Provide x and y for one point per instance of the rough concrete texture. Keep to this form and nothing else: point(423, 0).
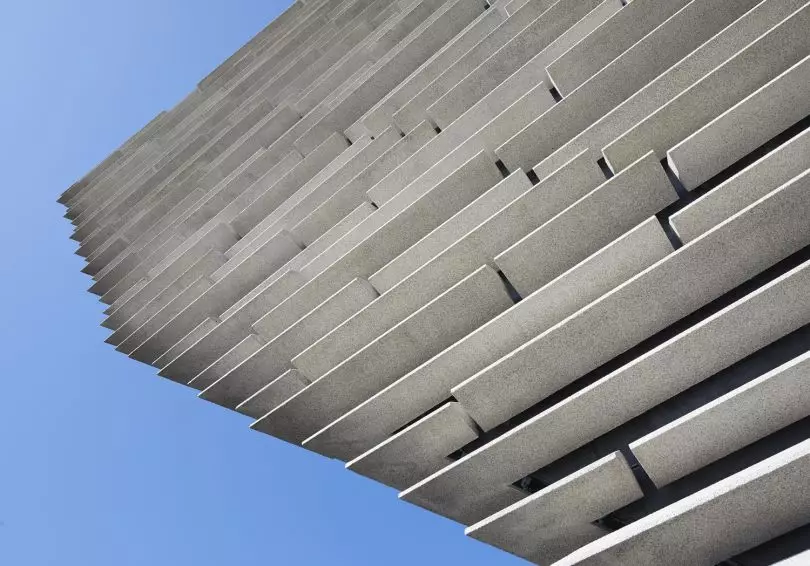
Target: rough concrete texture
point(409, 343)
point(751, 122)
point(483, 251)
point(393, 306)
point(753, 182)
point(708, 267)
point(587, 225)
point(557, 520)
point(627, 78)
point(276, 356)
point(425, 386)
point(419, 450)
point(531, 40)
point(754, 66)
point(273, 394)
point(760, 407)
point(729, 261)
point(761, 502)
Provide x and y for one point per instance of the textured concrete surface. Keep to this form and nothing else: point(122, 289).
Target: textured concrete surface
point(750, 69)
point(484, 251)
point(608, 41)
point(531, 40)
point(693, 275)
point(460, 224)
point(462, 484)
point(755, 181)
point(276, 356)
point(412, 112)
point(632, 107)
point(273, 394)
point(751, 122)
point(750, 507)
point(557, 520)
point(409, 343)
point(419, 450)
point(396, 303)
point(587, 225)
point(747, 414)
point(425, 386)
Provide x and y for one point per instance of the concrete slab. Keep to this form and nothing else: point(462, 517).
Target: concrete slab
point(255, 304)
point(587, 225)
point(162, 214)
point(419, 450)
point(263, 262)
point(424, 387)
point(555, 521)
point(394, 25)
point(608, 41)
point(617, 82)
point(482, 128)
point(744, 510)
point(724, 338)
point(387, 233)
point(233, 327)
point(225, 363)
point(210, 247)
point(670, 82)
point(259, 309)
point(763, 60)
point(93, 231)
point(348, 197)
point(395, 304)
point(164, 315)
point(273, 394)
point(201, 330)
point(283, 188)
point(271, 222)
point(359, 31)
point(727, 253)
point(445, 21)
point(219, 237)
point(461, 223)
point(684, 281)
point(380, 117)
point(204, 267)
point(519, 50)
point(411, 342)
point(743, 416)
point(275, 357)
point(230, 285)
point(742, 128)
point(306, 256)
point(413, 112)
point(146, 204)
point(357, 158)
point(750, 184)
point(227, 199)
point(114, 249)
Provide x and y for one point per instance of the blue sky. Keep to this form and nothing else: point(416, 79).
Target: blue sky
point(101, 462)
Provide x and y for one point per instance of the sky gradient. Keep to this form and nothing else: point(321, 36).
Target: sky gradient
point(103, 463)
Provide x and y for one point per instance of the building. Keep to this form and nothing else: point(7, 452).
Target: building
point(541, 265)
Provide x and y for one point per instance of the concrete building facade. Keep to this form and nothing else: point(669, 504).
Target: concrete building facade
point(542, 266)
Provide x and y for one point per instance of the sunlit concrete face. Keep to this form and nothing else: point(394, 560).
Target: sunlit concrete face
point(541, 265)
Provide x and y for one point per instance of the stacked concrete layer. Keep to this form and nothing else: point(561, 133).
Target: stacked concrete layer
point(540, 265)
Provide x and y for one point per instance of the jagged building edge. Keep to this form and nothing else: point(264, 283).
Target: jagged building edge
point(540, 265)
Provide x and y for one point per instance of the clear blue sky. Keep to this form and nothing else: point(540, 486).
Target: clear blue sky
point(101, 462)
